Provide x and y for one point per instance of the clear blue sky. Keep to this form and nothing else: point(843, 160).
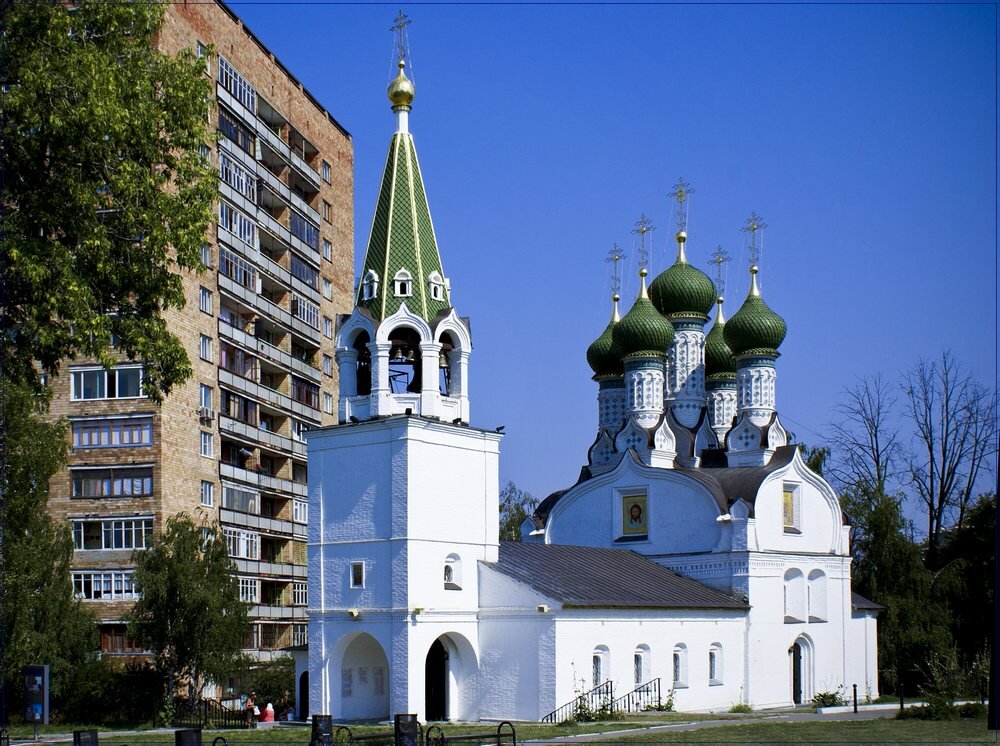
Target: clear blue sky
point(865, 135)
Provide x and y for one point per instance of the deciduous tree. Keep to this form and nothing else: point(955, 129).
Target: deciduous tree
point(515, 506)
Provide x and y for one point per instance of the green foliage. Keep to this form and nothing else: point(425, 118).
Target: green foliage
point(274, 682)
point(741, 707)
point(106, 690)
point(515, 506)
point(43, 622)
point(189, 609)
point(105, 192)
point(830, 699)
point(815, 458)
point(584, 713)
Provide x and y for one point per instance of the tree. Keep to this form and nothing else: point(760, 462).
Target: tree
point(515, 506)
point(42, 620)
point(189, 608)
point(954, 418)
point(865, 439)
point(105, 192)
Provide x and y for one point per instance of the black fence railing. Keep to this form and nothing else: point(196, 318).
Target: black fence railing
point(644, 697)
point(585, 706)
point(504, 735)
point(207, 713)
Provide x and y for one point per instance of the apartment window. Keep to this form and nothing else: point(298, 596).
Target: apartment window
point(327, 211)
point(305, 392)
point(236, 176)
point(116, 533)
point(327, 365)
point(235, 130)
point(300, 635)
point(327, 250)
point(206, 398)
point(300, 511)
point(98, 383)
point(238, 224)
point(205, 152)
point(357, 575)
point(206, 254)
point(304, 230)
point(237, 85)
point(326, 172)
point(304, 271)
point(305, 310)
point(115, 641)
point(242, 544)
point(327, 402)
point(206, 444)
point(239, 408)
point(104, 586)
point(205, 301)
point(300, 596)
point(236, 498)
point(237, 269)
point(207, 494)
point(299, 429)
point(328, 327)
point(237, 361)
point(125, 432)
point(115, 481)
point(205, 348)
point(327, 289)
point(202, 51)
point(250, 590)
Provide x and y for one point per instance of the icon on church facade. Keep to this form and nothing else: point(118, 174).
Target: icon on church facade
point(634, 517)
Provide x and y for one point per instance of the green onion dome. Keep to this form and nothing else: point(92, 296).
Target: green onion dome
point(719, 363)
point(755, 329)
point(603, 355)
point(643, 332)
point(683, 290)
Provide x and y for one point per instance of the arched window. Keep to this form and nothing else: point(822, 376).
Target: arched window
point(640, 665)
point(369, 285)
point(795, 596)
point(444, 363)
point(364, 365)
point(817, 596)
point(680, 665)
point(599, 665)
point(714, 664)
point(402, 284)
point(453, 573)
point(436, 285)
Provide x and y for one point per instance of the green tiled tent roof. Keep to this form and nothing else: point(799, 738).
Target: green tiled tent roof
point(402, 237)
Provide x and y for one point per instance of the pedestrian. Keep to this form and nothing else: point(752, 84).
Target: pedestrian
point(251, 710)
point(268, 714)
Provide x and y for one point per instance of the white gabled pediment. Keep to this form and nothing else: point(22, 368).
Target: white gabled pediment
point(403, 317)
point(457, 328)
point(357, 322)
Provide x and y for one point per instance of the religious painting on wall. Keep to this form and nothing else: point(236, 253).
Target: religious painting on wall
point(788, 506)
point(634, 517)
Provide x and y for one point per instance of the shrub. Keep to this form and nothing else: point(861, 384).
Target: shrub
point(973, 710)
point(830, 699)
point(741, 707)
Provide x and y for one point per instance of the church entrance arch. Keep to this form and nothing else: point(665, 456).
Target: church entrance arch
point(449, 668)
point(800, 656)
point(364, 680)
point(303, 698)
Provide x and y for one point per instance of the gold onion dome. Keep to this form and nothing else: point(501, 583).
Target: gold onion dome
point(603, 355)
point(719, 363)
point(643, 332)
point(401, 88)
point(682, 290)
point(755, 329)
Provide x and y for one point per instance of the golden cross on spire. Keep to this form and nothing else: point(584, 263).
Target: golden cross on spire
point(682, 191)
point(754, 225)
point(399, 26)
point(719, 257)
point(615, 256)
point(643, 226)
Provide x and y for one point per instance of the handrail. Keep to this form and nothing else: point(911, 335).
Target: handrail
point(643, 696)
point(600, 696)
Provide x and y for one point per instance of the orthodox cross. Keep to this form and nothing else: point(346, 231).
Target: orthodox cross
point(682, 191)
point(398, 27)
point(643, 226)
point(615, 256)
point(719, 257)
point(754, 225)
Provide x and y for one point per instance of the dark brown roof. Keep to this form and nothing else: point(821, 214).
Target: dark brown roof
point(592, 577)
point(861, 603)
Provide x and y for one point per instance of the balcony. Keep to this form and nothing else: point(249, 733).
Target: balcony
point(268, 351)
point(275, 484)
point(273, 570)
point(261, 611)
point(274, 183)
point(270, 138)
point(301, 205)
point(303, 168)
point(233, 104)
point(262, 523)
point(259, 435)
point(272, 397)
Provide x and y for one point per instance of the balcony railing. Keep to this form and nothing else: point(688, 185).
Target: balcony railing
point(277, 570)
point(275, 484)
point(259, 435)
point(272, 397)
point(262, 523)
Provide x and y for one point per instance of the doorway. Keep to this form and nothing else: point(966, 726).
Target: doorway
point(795, 656)
point(436, 683)
point(303, 699)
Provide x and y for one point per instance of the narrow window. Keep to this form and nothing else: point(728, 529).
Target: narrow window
point(715, 664)
point(206, 444)
point(680, 665)
point(327, 402)
point(327, 365)
point(327, 211)
point(327, 289)
point(206, 254)
point(207, 494)
point(403, 284)
point(328, 327)
point(206, 396)
point(791, 509)
point(327, 250)
point(326, 172)
point(453, 573)
point(357, 575)
point(205, 348)
point(369, 286)
point(637, 669)
point(596, 673)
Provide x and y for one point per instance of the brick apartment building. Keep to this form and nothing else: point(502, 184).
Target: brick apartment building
point(226, 447)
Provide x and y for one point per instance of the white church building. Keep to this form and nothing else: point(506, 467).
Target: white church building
point(696, 551)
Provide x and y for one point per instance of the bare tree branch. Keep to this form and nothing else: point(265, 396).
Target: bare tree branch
point(865, 441)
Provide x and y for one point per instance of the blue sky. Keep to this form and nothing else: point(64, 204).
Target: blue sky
point(865, 135)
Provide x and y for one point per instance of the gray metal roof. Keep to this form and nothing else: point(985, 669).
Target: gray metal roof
point(591, 577)
point(863, 604)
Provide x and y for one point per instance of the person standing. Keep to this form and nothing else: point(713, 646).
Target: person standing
point(251, 710)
